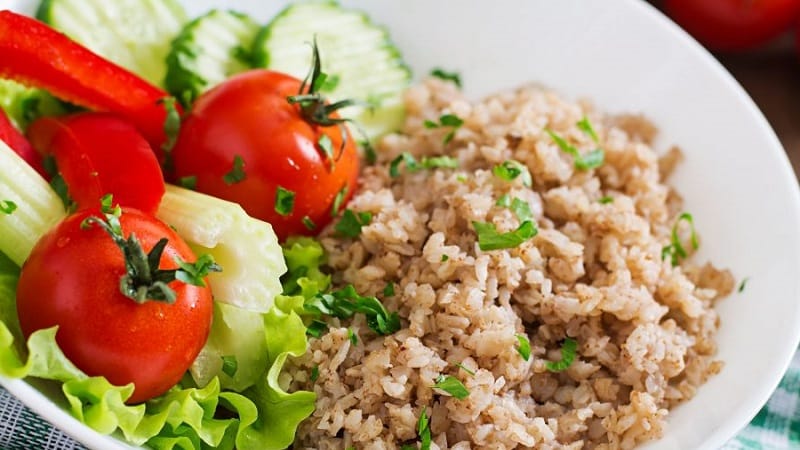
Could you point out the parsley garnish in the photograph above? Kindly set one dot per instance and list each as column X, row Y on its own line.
column 445, row 258
column 452, row 386
column 586, row 126
column 465, row 369
column 188, row 182
column 316, row 328
column 229, row 365
column 445, row 162
column 461, row 178
column 351, row 223
column 743, row 284
column 388, row 291
column 490, row 239
column 236, row 173
column 314, row 373
column 568, row 350
column 369, row 151
column 338, row 200
column 7, row 207
column 446, row 120
column 591, row 160
column 521, row 209
column 675, row 249
column 511, row 169
column 284, row 201
column 424, row 430
column 504, row 201
column 524, row 348
column 352, row 336
column 309, row 224
column 606, row 199
column 326, row 146
column 453, row 77
column 345, row 302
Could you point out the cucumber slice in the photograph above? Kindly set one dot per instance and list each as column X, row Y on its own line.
column 353, row 50
column 23, row 104
column 133, row 33
column 208, row 50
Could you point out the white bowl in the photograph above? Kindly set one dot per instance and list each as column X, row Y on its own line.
column 626, row 56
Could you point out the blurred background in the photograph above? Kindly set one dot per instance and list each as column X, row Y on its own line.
column 755, row 40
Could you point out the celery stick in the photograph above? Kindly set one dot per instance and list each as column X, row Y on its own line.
column 38, row 208
column 246, row 248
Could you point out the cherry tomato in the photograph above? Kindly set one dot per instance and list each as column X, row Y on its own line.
column 99, row 154
column 248, row 119
column 72, row 279
column 733, row 24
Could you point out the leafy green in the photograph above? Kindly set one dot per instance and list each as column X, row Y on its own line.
column 743, row 284
column 304, row 256
column 453, row 77
column 326, row 145
column 465, row 369
column 351, row 223
column 490, row 239
column 188, row 182
column 675, row 249
column 23, row 104
column 591, row 160
column 309, row 224
column 344, row 303
column 568, row 351
column 230, row 365
column 452, row 386
column 521, row 209
column 388, row 290
column 510, row 169
column 338, row 200
column 446, row 120
column 432, row 162
column 606, row 199
column 7, row 207
column 586, row 126
column 284, row 201
column 424, row 430
column 236, row 174
column 524, row 348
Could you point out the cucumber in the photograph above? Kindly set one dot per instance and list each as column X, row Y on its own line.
column 353, row 50
column 208, row 50
column 135, row 34
column 23, row 104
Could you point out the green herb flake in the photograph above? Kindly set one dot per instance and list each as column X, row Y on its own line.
column 412, row 165
column 236, row 174
column 568, row 351
column 511, row 169
column 465, row 369
column 346, row 302
column 446, row 120
column 7, row 207
column 408, row 447
column 490, row 239
column 504, row 201
column 606, row 199
column 230, row 365
column 452, row 77
column 369, row 151
column 188, row 182
column 445, row 258
column 309, row 224
column 352, row 336
column 388, row 291
column 521, row 209
column 452, row 386
column 461, row 178
column 675, row 249
column 743, row 284
column 338, row 200
column 586, row 126
column 314, row 374
column 316, row 328
column 326, row 146
column 284, row 201
column 424, row 430
column 351, row 223
column 591, row 160
column 524, row 348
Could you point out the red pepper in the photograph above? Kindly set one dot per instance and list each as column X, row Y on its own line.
column 14, row 139
column 36, row 55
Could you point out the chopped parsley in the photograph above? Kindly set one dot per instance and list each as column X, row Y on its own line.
column 465, row 369
column 568, row 350
column 461, row 178
column 524, row 348
column 309, row 224
column 351, row 223
column 424, row 430
column 452, row 77
column 388, row 291
column 338, row 200
column 346, row 302
column 606, row 199
column 675, row 249
column 236, row 174
column 352, row 336
column 7, row 207
column 229, row 365
column 369, row 151
column 590, row 160
column 445, row 258
column 446, row 120
column 504, row 201
column 326, row 146
column 314, row 373
column 316, row 328
column 586, row 126
column 511, row 169
column 412, row 165
column 284, row 201
column 521, row 209
column 490, row 239
column 452, row 386
column 743, row 284
column 188, row 182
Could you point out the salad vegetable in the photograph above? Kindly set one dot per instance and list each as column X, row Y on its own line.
column 10, row 135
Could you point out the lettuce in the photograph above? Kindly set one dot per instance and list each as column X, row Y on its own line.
column 263, row 416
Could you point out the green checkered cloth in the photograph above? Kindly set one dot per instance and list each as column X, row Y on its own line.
column 775, row 427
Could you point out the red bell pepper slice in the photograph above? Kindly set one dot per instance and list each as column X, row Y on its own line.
column 99, row 154
column 36, row 55
column 14, row 139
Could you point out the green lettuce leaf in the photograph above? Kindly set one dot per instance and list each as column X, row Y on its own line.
column 304, row 256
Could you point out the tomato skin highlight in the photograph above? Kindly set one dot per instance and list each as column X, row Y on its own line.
column 249, row 116
column 732, row 25
column 71, row 279
column 99, row 154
